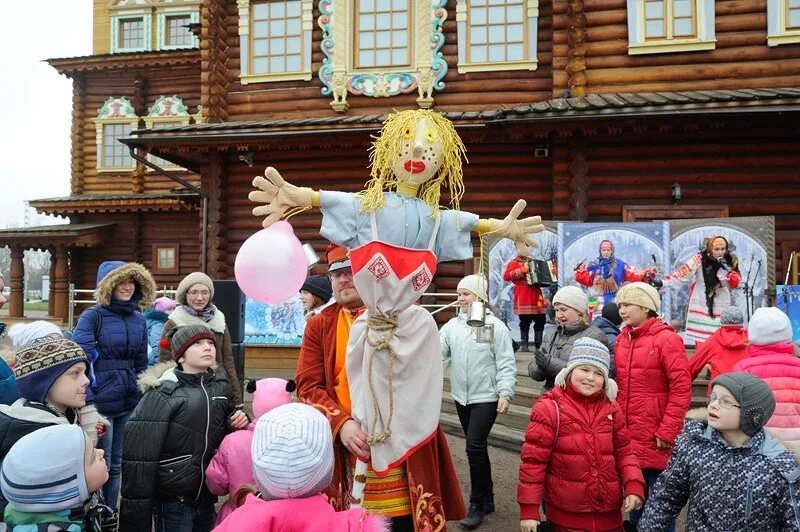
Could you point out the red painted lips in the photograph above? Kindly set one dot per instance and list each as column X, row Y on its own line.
column 414, row 167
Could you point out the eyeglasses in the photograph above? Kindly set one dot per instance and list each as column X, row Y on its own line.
column 723, row 403
column 338, row 274
column 195, row 293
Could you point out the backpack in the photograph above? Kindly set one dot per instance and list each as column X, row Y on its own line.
column 98, row 325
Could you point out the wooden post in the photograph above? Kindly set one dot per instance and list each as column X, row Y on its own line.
column 61, row 284
column 16, row 301
column 579, row 180
column 51, row 300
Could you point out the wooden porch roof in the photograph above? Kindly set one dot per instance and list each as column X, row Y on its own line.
column 84, row 203
column 80, row 234
column 149, row 59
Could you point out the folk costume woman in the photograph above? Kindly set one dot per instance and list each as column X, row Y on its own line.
column 713, row 273
column 396, row 234
column 605, row 275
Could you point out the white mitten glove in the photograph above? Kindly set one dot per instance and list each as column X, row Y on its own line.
column 278, row 195
column 90, row 417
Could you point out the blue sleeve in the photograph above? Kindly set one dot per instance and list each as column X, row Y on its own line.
column 83, row 335
column 9, row 392
column 454, row 241
column 339, row 217
column 140, row 359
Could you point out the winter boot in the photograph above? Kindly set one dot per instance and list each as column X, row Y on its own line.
column 474, row 517
column 523, row 346
column 537, row 338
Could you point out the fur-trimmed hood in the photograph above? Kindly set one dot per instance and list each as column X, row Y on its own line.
column 145, row 285
column 154, row 376
column 181, row 318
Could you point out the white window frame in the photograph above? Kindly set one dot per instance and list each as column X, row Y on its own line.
column 531, row 37
column 777, row 33
column 704, row 40
column 147, row 21
column 162, row 29
column 307, row 23
column 125, row 115
column 180, row 117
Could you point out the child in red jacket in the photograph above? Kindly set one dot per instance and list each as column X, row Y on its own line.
column 577, row 457
column 724, row 348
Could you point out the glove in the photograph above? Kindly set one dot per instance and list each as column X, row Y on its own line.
column 542, row 358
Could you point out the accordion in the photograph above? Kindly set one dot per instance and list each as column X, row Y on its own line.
column 541, row 273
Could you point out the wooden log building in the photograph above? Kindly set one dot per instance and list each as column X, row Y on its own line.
column 588, row 109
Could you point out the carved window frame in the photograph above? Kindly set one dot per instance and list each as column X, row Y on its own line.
column 163, row 29
column 245, row 23
column 176, row 248
column 777, row 21
column 428, row 67
column 176, row 113
column 704, row 39
column 147, row 21
column 108, row 115
column 530, row 40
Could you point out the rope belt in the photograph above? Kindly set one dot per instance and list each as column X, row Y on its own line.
column 380, row 324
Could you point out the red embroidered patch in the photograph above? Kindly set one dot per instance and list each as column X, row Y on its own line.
column 378, row 269
column 420, row 281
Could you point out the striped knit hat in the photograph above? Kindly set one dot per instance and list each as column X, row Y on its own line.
column 44, row 470
column 41, row 362
column 589, row 351
column 181, row 338
column 292, row 452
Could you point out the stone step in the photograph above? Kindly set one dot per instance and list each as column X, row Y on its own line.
column 517, row 416
column 500, row 435
column 523, row 396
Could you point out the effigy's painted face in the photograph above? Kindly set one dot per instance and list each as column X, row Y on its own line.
column 420, row 153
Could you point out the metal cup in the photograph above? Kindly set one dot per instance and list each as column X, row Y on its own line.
column 476, row 315
column 311, row 256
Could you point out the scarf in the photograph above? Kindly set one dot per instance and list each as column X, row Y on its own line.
column 710, row 268
column 206, row 314
column 123, row 307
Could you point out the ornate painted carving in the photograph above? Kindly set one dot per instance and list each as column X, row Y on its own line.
column 168, row 106
column 117, row 108
column 339, row 77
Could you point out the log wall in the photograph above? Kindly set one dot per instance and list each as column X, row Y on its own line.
column 741, row 59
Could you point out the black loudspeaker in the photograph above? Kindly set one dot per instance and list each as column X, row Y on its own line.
column 230, row 300
column 238, row 362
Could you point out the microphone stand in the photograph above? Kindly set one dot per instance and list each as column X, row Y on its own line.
column 786, row 283
column 751, row 295
column 747, row 285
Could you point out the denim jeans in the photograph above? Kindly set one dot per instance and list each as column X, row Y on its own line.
column 650, row 477
column 181, row 517
column 477, row 420
column 111, row 443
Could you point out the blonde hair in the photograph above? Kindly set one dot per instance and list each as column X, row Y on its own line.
column 384, row 154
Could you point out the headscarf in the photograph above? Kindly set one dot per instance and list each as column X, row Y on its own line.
column 711, row 268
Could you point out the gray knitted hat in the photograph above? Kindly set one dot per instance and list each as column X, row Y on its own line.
column 731, row 316
column 756, row 401
column 589, row 351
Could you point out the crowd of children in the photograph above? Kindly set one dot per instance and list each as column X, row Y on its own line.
column 596, row 448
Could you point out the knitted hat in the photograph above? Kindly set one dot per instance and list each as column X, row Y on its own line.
column 589, row 351
column 182, row 338
column 756, row 401
column 40, row 363
column 337, row 258
column 22, row 334
column 164, row 304
column 641, row 294
column 191, row 280
column 573, row 297
column 270, row 393
column 611, row 313
column 475, row 284
column 731, row 316
column 44, row 471
column 320, row 286
column 769, row 325
column 292, row 452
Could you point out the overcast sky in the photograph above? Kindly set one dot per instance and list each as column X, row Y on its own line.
column 37, row 101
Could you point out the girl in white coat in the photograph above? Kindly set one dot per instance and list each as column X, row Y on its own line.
column 483, row 375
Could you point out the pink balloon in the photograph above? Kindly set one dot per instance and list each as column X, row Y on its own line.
column 270, row 266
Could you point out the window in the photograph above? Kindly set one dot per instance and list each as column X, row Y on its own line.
column 173, row 30
column 114, row 121
column 275, row 40
column 497, row 34
column 660, row 26
column 382, row 30
column 381, row 48
column 166, row 257
column 783, row 22
column 167, row 111
column 131, row 33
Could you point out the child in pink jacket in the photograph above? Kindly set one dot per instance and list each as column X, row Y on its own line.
column 231, row 468
column 292, row 457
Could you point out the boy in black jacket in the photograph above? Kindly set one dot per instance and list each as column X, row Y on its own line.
column 172, row 435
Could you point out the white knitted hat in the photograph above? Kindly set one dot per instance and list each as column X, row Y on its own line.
column 475, row 284
column 22, row 334
column 574, row 298
column 292, row 452
column 589, row 351
column 769, row 325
